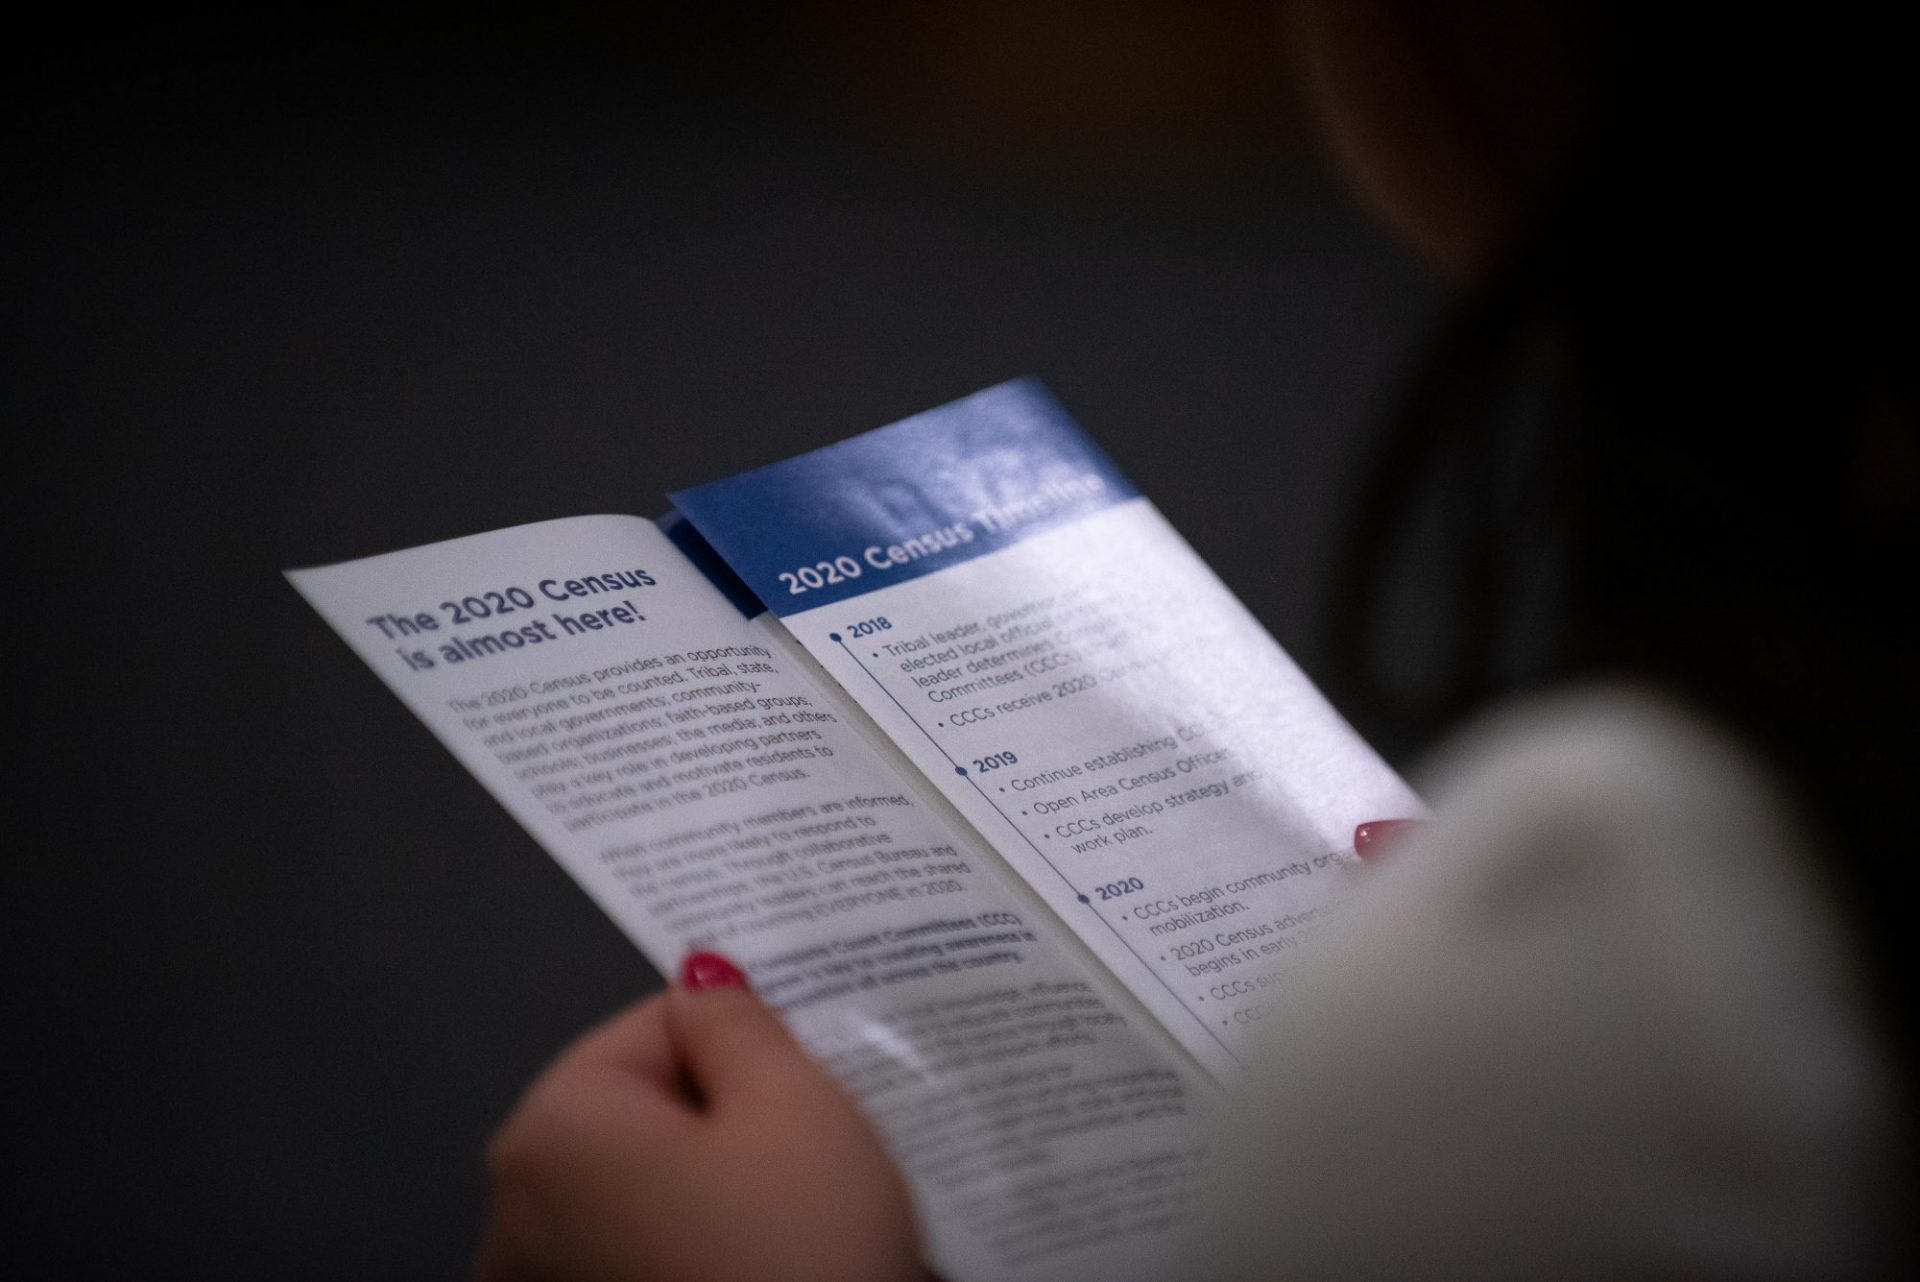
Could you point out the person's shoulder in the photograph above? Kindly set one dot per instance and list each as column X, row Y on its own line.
column 1657, row 873
column 1597, row 1008
column 1635, row 806
column 1653, row 845
column 1616, row 766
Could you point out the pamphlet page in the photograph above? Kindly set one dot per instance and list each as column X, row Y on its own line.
column 1029, row 629
column 709, row 789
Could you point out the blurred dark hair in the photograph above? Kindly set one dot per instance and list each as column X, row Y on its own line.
column 1672, row 434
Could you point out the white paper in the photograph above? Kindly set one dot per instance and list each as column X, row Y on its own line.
column 1158, row 769
column 698, row 779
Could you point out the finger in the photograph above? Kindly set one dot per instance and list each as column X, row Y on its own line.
column 614, row 1097
column 733, row 1046
column 625, row 1071
column 492, row 1260
column 635, row 1041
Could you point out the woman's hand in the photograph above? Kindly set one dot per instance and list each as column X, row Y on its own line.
column 691, row 1138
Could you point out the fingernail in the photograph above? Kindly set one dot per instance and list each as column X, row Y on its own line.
column 1370, row 839
column 710, row 970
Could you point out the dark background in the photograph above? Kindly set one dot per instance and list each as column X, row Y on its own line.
column 273, row 963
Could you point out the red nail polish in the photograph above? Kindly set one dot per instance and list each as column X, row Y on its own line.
column 1370, row 839
column 710, row 970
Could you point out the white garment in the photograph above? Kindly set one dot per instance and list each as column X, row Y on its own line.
column 1594, row 1019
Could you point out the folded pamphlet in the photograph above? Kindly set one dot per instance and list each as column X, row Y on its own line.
column 953, row 743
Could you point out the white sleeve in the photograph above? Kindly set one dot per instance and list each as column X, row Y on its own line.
column 1593, row 1020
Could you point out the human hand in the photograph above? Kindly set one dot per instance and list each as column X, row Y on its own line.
column 691, row 1138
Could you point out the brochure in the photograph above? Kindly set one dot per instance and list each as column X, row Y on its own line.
column 947, row 737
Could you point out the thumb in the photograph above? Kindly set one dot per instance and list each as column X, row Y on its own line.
column 731, row 1044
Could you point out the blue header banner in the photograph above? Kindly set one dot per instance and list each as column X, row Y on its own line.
column 905, row 500
column 677, row 527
